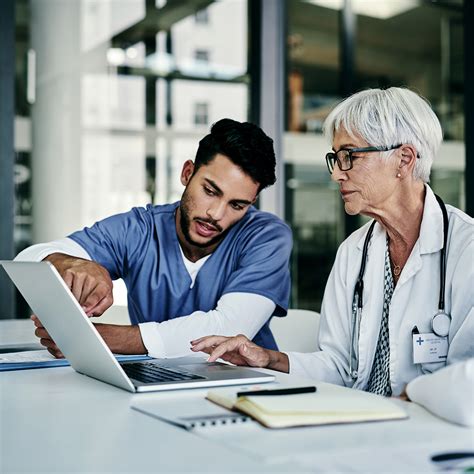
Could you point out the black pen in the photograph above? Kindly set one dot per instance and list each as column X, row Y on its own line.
column 278, row 391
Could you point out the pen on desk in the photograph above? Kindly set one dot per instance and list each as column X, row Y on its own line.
column 278, row 391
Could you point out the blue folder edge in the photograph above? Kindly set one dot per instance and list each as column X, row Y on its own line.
column 4, row 367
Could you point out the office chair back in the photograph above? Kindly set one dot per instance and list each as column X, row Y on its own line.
column 298, row 331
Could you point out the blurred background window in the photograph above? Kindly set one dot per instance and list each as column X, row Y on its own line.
column 417, row 44
column 112, row 96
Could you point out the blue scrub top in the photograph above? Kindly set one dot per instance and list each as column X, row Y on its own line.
column 141, row 247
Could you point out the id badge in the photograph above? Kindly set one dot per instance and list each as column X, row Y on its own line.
column 429, row 347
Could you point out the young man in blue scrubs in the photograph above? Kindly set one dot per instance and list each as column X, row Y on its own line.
column 208, row 264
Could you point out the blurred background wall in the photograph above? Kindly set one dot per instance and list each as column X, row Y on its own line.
column 112, row 96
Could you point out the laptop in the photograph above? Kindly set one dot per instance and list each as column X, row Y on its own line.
column 71, row 329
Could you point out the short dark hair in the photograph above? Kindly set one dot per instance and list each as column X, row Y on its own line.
column 245, row 144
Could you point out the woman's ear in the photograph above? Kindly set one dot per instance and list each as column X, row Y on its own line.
column 187, row 172
column 407, row 160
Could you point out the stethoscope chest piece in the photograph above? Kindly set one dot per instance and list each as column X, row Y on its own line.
column 440, row 323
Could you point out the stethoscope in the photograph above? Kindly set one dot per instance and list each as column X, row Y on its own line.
column 440, row 322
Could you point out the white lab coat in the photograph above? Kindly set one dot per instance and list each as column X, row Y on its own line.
column 414, row 302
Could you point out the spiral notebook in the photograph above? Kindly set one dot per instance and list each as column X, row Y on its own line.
column 330, row 404
column 190, row 414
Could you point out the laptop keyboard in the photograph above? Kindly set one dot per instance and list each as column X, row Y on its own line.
column 148, row 372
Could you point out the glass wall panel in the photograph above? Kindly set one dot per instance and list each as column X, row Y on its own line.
column 420, row 45
column 403, row 43
column 112, row 97
column 203, row 79
column 313, row 205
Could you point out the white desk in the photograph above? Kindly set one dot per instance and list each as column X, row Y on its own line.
column 18, row 334
column 55, row 420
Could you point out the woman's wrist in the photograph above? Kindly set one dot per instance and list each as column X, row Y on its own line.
column 278, row 361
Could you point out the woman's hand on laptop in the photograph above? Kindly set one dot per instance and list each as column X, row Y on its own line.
column 239, row 350
column 89, row 282
column 45, row 338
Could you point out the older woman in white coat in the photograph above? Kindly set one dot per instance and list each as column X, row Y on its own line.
column 399, row 300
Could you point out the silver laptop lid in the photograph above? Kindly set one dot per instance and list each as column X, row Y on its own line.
column 61, row 314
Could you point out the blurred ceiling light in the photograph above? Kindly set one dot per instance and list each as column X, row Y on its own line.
column 132, row 52
column 381, row 9
column 162, row 63
column 115, row 56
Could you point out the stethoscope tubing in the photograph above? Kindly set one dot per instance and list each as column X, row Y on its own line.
column 359, row 286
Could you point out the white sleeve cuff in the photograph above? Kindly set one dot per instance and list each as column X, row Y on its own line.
column 318, row 366
column 448, row 393
column 236, row 313
column 38, row 252
column 152, row 340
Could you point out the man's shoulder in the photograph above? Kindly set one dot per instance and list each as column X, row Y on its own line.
column 262, row 226
column 257, row 218
column 159, row 209
column 152, row 213
column 138, row 220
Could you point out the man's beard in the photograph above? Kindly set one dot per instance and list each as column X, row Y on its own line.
column 185, row 223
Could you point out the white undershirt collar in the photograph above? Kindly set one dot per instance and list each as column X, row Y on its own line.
column 193, row 267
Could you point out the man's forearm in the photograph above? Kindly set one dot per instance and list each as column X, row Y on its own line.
column 62, row 261
column 236, row 313
column 122, row 339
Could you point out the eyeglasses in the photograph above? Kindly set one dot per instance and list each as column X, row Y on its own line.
column 344, row 158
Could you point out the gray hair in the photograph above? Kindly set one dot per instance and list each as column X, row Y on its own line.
column 387, row 118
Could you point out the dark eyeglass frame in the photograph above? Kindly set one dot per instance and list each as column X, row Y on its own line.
column 332, row 158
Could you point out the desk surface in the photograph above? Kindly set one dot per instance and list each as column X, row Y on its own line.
column 18, row 334
column 56, row 420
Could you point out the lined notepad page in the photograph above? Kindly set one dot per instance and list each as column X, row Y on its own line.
column 328, row 401
column 330, row 404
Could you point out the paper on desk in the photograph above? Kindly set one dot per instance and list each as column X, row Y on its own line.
column 43, row 359
column 26, row 356
column 29, row 360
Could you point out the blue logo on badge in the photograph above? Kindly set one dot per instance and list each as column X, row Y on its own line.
column 420, row 340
